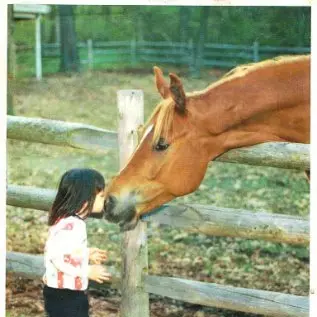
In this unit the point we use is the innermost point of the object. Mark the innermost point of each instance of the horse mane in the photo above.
(164, 111)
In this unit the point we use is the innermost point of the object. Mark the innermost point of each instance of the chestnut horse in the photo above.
(267, 101)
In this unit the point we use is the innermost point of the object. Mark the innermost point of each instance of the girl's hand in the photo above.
(97, 256)
(98, 273)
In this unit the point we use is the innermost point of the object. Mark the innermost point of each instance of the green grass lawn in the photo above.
(90, 98)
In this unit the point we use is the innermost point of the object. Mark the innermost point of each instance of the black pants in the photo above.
(65, 302)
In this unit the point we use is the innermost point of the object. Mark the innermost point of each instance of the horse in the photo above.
(268, 101)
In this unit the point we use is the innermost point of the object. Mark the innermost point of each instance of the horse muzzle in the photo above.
(122, 212)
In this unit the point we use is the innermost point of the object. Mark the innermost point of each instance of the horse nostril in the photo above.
(109, 209)
(110, 202)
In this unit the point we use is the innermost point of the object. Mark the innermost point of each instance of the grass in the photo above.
(90, 98)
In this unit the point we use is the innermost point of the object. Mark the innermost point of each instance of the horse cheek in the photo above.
(185, 175)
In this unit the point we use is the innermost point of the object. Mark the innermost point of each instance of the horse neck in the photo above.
(260, 91)
(250, 109)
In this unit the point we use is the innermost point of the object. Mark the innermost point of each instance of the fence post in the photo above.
(133, 52)
(134, 301)
(90, 54)
(38, 54)
(57, 30)
(256, 51)
(11, 69)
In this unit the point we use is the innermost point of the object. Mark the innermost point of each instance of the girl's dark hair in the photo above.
(76, 187)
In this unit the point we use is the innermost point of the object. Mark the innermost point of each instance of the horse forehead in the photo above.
(147, 132)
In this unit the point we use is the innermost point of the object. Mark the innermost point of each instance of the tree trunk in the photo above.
(139, 24)
(52, 34)
(106, 11)
(69, 53)
(11, 60)
(184, 16)
(204, 13)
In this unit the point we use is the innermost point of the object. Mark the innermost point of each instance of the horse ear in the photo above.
(178, 93)
(161, 84)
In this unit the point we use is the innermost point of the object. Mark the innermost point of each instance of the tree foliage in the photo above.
(276, 26)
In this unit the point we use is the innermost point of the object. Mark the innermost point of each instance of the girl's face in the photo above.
(99, 202)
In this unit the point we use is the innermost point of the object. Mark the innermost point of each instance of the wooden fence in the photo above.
(177, 53)
(93, 53)
(209, 220)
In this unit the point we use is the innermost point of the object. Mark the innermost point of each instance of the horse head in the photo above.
(169, 161)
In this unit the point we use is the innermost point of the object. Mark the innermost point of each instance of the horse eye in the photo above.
(161, 145)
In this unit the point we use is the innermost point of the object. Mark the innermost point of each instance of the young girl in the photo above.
(67, 269)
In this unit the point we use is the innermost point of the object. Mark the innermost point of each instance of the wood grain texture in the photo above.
(134, 301)
(219, 221)
(234, 298)
(60, 133)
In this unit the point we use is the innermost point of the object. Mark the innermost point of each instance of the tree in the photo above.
(184, 17)
(204, 13)
(54, 33)
(69, 54)
(139, 25)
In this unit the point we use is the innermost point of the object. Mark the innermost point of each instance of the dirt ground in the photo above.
(25, 299)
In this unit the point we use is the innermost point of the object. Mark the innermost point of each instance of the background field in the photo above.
(90, 98)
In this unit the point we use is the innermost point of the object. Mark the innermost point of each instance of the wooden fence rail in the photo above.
(30, 197)
(234, 298)
(60, 133)
(274, 154)
(94, 53)
(207, 294)
(32, 266)
(77, 135)
(208, 220)
(232, 54)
